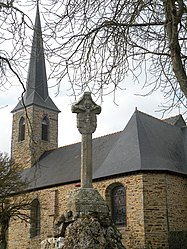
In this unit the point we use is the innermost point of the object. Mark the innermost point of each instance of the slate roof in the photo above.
(145, 144)
(36, 87)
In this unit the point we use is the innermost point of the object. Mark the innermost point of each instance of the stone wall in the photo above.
(147, 212)
(165, 209)
(155, 210)
(27, 152)
(19, 232)
(177, 211)
(50, 212)
(133, 233)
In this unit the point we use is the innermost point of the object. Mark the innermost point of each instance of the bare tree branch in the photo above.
(11, 206)
(97, 44)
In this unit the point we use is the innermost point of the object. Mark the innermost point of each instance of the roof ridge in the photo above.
(105, 135)
(177, 115)
(149, 115)
(161, 120)
(138, 132)
(95, 138)
(174, 119)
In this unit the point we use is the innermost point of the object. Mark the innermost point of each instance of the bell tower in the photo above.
(35, 117)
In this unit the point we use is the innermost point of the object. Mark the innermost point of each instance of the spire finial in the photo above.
(37, 7)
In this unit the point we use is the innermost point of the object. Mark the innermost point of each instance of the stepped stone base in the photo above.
(88, 224)
(86, 201)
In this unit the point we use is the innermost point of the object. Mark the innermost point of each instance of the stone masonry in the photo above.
(165, 215)
(27, 152)
(143, 194)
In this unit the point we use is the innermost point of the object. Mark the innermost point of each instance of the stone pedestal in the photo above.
(86, 201)
(89, 223)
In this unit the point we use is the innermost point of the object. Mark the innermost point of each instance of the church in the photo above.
(141, 171)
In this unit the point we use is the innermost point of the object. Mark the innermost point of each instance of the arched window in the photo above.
(35, 218)
(118, 205)
(45, 129)
(21, 136)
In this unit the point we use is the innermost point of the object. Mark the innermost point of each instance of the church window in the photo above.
(21, 129)
(118, 205)
(35, 218)
(45, 129)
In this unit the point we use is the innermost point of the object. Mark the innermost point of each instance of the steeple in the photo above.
(37, 88)
(35, 118)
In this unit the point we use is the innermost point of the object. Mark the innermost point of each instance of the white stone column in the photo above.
(86, 110)
(86, 161)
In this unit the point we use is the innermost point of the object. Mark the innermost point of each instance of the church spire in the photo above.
(35, 118)
(37, 79)
(37, 88)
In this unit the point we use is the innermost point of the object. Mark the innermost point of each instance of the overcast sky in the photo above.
(113, 117)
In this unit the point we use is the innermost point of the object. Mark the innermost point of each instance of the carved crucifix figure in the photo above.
(86, 110)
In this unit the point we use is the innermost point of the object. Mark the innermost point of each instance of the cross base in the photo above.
(86, 201)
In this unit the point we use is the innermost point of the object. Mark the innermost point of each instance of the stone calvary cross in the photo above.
(86, 110)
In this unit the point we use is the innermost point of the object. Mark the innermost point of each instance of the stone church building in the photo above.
(141, 171)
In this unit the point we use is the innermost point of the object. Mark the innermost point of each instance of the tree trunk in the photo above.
(173, 18)
(3, 232)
